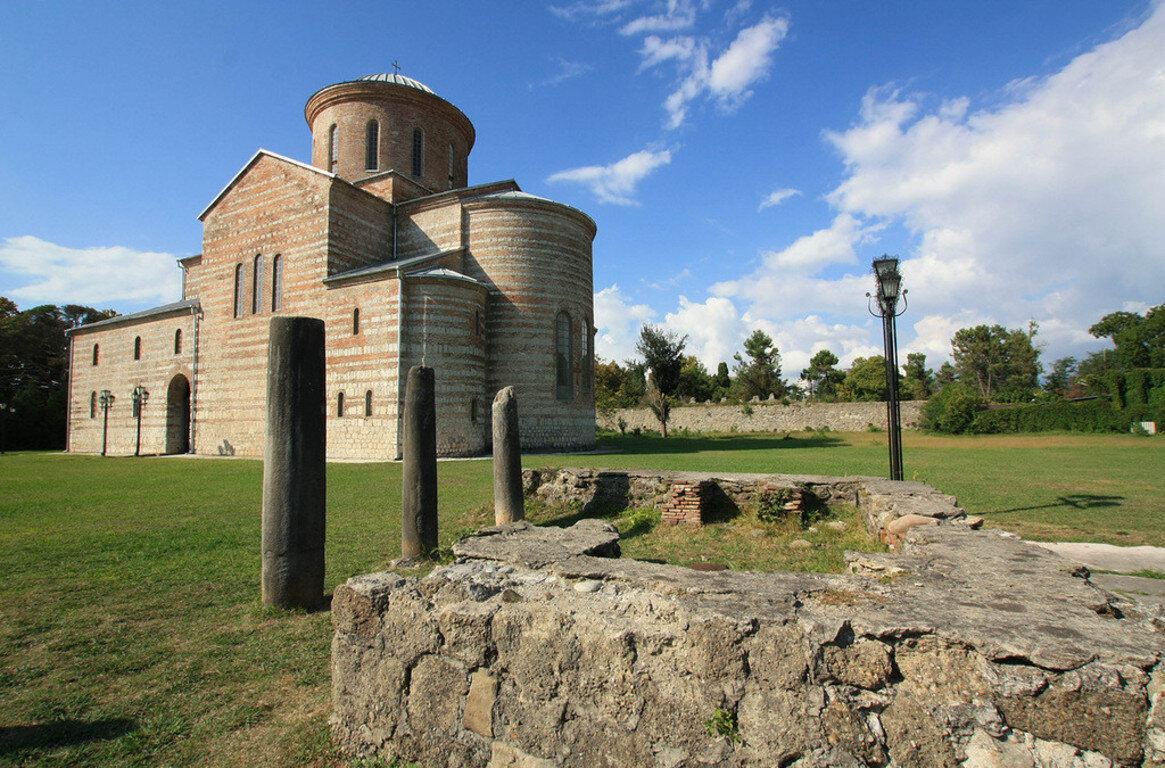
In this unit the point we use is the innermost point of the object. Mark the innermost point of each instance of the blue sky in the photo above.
(744, 161)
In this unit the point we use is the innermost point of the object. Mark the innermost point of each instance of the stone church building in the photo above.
(382, 239)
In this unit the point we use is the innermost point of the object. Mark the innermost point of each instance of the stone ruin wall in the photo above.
(538, 648)
(766, 416)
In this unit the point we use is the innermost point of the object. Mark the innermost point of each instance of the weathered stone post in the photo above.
(294, 470)
(418, 530)
(508, 502)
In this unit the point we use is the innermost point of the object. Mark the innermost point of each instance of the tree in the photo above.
(663, 357)
(1001, 364)
(695, 381)
(1061, 378)
(946, 376)
(723, 381)
(821, 375)
(33, 371)
(866, 379)
(1139, 340)
(918, 381)
(760, 375)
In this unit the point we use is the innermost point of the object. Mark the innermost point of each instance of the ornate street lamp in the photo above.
(106, 400)
(140, 396)
(889, 289)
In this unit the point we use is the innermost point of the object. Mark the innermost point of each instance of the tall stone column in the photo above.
(508, 502)
(418, 530)
(294, 469)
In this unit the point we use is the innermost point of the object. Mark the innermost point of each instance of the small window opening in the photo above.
(277, 283)
(137, 348)
(473, 410)
(333, 149)
(340, 406)
(418, 152)
(257, 287)
(372, 144)
(178, 341)
(368, 403)
(95, 351)
(452, 167)
(93, 405)
(564, 381)
(356, 321)
(239, 290)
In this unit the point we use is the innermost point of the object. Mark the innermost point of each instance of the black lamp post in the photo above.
(140, 396)
(889, 289)
(106, 400)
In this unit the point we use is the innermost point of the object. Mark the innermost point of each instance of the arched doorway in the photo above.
(178, 415)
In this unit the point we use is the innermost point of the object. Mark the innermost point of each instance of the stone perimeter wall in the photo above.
(766, 416)
(969, 648)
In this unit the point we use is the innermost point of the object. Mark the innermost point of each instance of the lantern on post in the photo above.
(140, 396)
(888, 282)
(106, 400)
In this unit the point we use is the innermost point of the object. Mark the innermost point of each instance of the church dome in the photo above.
(396, 79)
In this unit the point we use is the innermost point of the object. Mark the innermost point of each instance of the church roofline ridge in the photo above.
(246, 166)
(187, 306)
(525, 198)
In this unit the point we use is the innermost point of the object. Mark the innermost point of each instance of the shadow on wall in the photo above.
(695, 444)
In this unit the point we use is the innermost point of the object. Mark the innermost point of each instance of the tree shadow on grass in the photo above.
(62, 733)
(1077, 500)
(631, 445)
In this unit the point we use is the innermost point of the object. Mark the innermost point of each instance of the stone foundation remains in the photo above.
(539, 647)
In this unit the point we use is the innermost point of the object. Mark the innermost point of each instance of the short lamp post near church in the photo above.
(140, 396)
(889, 289)
(106, 400)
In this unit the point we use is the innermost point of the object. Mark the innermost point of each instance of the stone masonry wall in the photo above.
(537, 648)
(766, 417)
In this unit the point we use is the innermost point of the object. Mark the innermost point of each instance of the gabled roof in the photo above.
(444, 272)
(187, 306)
(254, 159)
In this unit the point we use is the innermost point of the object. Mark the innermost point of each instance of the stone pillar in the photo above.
(294, 469)
(418, 530)
(509, 505)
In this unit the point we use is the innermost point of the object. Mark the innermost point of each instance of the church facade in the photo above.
(383, 239)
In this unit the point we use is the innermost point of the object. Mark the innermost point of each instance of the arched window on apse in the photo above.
(333, 149)
(93, 405)
(368, 403)
(356, 321)
(178, 341)
(340, 406)
(564, 382)
(96, 350)
(137, 348)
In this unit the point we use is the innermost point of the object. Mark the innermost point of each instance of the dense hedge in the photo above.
(1086, 416)
(1137, 388)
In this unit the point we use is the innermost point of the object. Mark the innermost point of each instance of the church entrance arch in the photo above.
(178, 415)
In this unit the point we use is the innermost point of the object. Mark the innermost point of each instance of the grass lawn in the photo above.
(130, 627)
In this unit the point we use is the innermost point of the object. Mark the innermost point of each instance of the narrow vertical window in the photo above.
(137, 348)
(473, 410)
(277, 283)
(564, 382)
(587, 356)
(333, 149)
(418, 152)
(452, 167)
(257, 287)
(239, 290)
(340, 406)
(368, 403)
(356, 321)
(95, 351)
(178, 341)
(93, 405)
(371, 146)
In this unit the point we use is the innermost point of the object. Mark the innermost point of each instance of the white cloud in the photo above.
(567, 70)
(615, 183)
(714, 329)
(597, 9)
(617, 323)
(677, 15)
(92, 276)
(778, 197)
(656, 50)
(730, 76)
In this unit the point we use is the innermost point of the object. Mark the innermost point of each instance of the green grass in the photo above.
(130, 627)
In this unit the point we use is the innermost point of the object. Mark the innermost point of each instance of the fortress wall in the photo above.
(536, 259)
(766, 416)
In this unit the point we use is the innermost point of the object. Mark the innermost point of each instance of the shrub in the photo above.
(1086, 416)
(952, 411)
